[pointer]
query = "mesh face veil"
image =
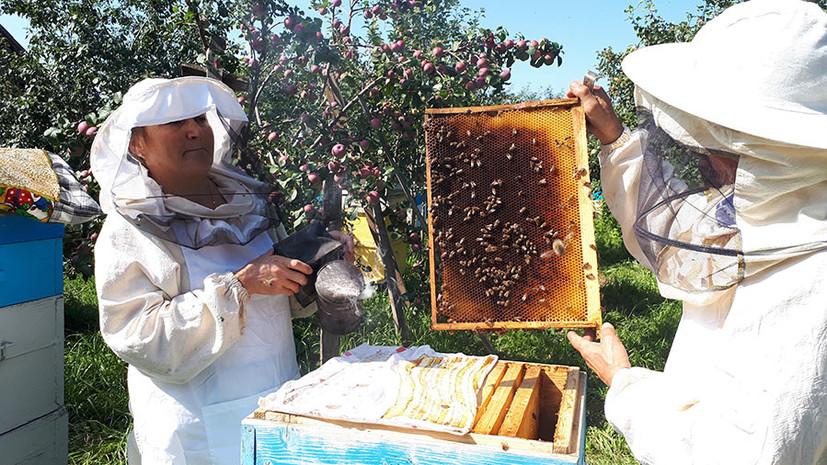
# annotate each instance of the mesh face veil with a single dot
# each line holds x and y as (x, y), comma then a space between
(128, 188)
(686, 221)
(717, 205)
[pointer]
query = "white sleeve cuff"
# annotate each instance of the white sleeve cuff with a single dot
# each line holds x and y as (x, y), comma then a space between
(233, 284)
(624, 137)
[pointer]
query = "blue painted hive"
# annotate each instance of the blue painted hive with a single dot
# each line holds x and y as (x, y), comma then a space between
(529, 414)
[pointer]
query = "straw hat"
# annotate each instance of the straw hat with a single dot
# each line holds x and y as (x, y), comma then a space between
(760, 67)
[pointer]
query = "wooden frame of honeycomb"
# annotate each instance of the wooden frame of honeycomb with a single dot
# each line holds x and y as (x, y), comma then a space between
(510, 218)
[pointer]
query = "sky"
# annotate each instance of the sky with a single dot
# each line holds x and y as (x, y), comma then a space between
(582, 27)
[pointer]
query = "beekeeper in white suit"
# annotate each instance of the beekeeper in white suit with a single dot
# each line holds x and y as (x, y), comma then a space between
(722, 193)
(191, 295)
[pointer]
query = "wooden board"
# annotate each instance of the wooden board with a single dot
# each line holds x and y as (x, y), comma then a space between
(523, 417)
(496, 410)
(31, 375)
(491, 383)
(41, 441)
(565, 422)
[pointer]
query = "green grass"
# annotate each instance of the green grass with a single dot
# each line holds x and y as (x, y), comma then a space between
(96, 379)
(95, 383)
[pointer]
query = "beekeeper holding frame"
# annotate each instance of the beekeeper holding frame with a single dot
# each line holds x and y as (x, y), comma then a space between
(722, 193)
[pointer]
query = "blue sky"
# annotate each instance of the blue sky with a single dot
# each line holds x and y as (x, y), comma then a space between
(582, 27)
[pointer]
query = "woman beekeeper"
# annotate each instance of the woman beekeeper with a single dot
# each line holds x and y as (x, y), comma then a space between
(191, 295)
(722, 193)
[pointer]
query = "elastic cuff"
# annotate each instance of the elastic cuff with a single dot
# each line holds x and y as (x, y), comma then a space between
(234, 284)
(619, 142)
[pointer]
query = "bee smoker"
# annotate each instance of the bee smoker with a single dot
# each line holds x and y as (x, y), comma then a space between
(340, 288)
(331, 287)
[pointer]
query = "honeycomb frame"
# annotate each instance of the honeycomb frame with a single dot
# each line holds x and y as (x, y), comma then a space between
(510, 218)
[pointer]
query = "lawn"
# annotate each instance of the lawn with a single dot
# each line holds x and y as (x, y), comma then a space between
(96, 393)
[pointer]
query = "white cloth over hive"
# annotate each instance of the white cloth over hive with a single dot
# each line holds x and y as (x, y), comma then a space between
(415, 387)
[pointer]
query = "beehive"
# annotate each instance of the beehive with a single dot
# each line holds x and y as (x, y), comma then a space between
(510, 218)
(529, 414)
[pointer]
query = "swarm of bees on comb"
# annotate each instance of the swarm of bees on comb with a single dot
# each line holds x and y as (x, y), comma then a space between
(509, 209)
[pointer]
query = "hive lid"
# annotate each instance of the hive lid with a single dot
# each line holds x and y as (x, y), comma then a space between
(510, 218)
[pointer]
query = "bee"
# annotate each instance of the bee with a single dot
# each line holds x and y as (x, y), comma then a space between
(542, 182)
(590, 276)
(587, 266)
(534, 141)
(514, 132)
(559, 247)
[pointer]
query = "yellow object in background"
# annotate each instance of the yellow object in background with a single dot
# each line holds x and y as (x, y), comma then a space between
(367, 254)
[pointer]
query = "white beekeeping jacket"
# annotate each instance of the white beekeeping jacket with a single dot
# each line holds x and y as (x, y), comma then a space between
(200, 350)
(746, 379)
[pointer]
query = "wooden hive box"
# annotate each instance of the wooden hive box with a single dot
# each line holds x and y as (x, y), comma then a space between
(33, 421)
(529, 414)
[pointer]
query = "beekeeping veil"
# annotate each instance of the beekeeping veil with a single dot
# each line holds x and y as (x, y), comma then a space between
(734, 136)
(128, 188)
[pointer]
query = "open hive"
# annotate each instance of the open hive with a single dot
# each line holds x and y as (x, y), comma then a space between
(528, 414)
(510, 218)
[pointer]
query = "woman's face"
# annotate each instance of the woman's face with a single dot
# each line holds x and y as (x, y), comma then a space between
(180, 151)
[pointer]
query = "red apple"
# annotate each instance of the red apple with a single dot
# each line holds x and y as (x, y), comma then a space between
(337, 150)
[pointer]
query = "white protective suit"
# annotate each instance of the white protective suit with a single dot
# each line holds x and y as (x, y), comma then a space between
(200, 350)
(746, 378)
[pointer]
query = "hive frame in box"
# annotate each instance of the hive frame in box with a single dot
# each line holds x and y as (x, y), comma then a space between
(559, 239)
(557, 404)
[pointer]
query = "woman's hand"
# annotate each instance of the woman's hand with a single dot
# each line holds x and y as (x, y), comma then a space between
(606, 357)
(273, 274)
(347, 241)
(601, 119)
